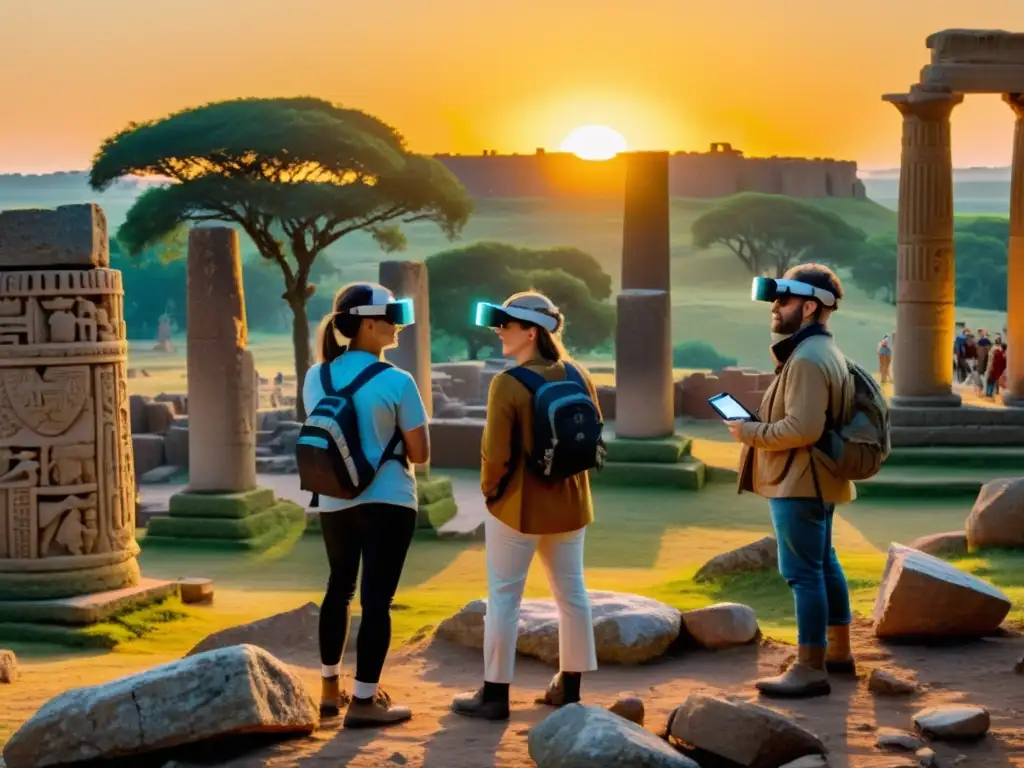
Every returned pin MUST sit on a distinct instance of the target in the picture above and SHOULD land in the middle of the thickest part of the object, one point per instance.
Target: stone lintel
(87, 609)
(67, 236)
(974, 78)
(976, 46)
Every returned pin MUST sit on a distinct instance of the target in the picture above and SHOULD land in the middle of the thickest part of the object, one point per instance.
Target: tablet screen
(729, 407)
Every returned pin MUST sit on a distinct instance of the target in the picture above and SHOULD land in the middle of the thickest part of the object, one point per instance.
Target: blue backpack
(566, 425)
(329, 451)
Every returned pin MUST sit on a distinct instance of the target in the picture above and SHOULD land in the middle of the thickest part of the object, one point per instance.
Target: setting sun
(594, 142)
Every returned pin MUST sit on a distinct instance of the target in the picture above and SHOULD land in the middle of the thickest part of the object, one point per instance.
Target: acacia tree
(295, 175)
(770, 233)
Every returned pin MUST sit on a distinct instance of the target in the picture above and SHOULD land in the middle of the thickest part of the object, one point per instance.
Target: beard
(786, 325)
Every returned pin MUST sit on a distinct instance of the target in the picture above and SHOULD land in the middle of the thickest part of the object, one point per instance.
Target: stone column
(925, 279)
(221, 374)
(645, 224)
(1014, 394)
(408, 280)
(67, 483)
(644, 401)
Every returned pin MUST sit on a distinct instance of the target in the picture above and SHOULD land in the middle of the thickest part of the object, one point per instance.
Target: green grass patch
(437, 513)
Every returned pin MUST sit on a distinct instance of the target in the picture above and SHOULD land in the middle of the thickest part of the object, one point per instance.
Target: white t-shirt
(389, 396)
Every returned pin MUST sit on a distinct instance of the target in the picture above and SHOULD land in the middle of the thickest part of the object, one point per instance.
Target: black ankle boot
(563, 689)
(488, 703)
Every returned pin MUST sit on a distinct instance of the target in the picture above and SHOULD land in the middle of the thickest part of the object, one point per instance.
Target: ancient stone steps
(1006, 457)
(927, 482)
(958, 435)
(688, 474)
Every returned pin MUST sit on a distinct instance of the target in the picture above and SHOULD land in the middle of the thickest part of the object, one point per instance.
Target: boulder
(893, 738)
(288, 635)
(629, 707)
(885, 683)
(8, 667)
(721, 625)
(227, 692)
(628, 628)
(923, 596)
(997, 518)
(956, 721)
(949, 544)
(576, 736)
(748, 734)
(761, 555)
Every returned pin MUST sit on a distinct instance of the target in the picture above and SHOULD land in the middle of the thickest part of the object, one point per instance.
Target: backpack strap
(391, 447)
(529, 379)
(325, 380)
(572, 373)
(363, 377)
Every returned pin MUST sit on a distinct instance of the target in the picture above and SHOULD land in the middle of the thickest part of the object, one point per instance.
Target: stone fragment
(8, 667)
(196, 590)
(949, 544)
(748, 734)
(760, 555)
(68, 236)
(922, 596)
(893, 738)
(953, 722)
(808, 761)
(230, 691)
(997, 517)
(576, 736)
(926, 757)
(628, 628)
(629, 707)
(288, 634)
(885, 683)
(721, 625)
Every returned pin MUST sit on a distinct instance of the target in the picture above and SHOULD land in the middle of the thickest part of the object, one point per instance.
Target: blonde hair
(549, 343)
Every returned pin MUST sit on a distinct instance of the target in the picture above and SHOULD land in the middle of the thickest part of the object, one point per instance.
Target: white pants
(509, 554)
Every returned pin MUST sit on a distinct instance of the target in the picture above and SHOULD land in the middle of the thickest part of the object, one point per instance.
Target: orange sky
(788, 77)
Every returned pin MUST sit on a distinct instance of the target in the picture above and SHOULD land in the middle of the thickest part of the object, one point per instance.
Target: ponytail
(333, 326)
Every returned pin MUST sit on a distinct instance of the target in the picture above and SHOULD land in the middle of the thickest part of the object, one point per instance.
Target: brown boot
(378, 711)
(805, 677)
(332, 698)
(839, 657)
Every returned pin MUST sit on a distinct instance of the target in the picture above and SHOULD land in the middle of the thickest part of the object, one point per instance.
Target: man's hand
(735, 427)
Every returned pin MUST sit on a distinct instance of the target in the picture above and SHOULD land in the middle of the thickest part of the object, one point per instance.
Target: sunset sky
(786, 77)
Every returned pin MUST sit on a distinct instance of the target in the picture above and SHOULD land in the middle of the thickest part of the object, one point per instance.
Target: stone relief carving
(66, 476)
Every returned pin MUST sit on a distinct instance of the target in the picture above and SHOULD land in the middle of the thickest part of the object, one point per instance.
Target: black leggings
(380, 534)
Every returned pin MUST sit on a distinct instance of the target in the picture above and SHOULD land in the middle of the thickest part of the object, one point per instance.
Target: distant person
(996, 370)
(984, 347)
(377, 525)
(537, 492)
(960, 355)
(789, 458)
(885, 359)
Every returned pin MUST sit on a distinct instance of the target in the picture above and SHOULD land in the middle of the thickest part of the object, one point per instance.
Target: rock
(949, 544)
(926, 757)
(885, 683)
(68, 236)
(159, 417)
(893, 738)
(957, 721)
(196, 590)
(923, 596)
(230, 691)
(288, 635)
(721, 625)
(628, 628)
(761, 555)
(809, 761)
(748, 734)
(8, 667)
(629, 707)
(576, 736)
(997, 518)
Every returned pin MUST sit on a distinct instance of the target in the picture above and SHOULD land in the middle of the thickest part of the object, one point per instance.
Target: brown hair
(819, 276)
(549, 343)
(341, 324)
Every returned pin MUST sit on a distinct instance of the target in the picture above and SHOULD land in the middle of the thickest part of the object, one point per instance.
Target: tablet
(729, 408)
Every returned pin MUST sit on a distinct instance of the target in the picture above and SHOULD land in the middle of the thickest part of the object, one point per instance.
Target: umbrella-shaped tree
(295, 175)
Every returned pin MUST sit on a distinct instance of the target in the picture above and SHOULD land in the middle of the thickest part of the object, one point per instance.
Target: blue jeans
(808, 563)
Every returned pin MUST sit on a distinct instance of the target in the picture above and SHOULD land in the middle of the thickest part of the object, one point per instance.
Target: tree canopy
(294, 174)
(770, 233)
(491, 271)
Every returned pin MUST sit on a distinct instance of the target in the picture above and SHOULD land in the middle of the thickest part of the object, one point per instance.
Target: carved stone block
(976, 46)
(68, 236)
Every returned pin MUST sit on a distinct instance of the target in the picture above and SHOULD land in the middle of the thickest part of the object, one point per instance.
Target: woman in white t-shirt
(377, 526)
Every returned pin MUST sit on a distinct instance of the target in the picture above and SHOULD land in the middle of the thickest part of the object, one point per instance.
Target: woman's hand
(735, 427)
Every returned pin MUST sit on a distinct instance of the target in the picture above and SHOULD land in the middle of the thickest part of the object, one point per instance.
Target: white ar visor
(769, 289)
(496, 316)
(398, 312)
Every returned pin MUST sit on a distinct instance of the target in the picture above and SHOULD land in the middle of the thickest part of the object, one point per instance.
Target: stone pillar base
(937, 401)
(52, 585)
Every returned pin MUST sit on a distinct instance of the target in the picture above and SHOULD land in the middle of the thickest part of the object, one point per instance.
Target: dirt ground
(425, 675)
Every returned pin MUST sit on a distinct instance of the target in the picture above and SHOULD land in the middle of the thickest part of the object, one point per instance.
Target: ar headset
(377, 303)
(498, 316)
(769, 289)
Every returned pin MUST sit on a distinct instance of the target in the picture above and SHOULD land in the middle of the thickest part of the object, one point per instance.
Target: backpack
(862, 444)
(566, 425)
(329, 451)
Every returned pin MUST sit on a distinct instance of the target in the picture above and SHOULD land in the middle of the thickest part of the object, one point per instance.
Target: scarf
(783, 350)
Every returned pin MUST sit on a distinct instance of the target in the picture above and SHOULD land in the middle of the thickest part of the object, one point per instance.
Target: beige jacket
(776, 459)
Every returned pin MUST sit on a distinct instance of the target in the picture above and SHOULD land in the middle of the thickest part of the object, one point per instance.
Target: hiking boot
(332, 697)
(839, 657)
(805, 677)
(375, 712)
(555, 695)
(477, 705)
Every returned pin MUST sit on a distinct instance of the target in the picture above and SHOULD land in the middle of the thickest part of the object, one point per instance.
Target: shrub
(699, 354)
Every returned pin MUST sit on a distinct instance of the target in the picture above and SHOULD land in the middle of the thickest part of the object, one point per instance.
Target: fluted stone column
(644, 402)
(408, 280)
(221, 374)
(645, 225)
(925, 278)
(1014, 394)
